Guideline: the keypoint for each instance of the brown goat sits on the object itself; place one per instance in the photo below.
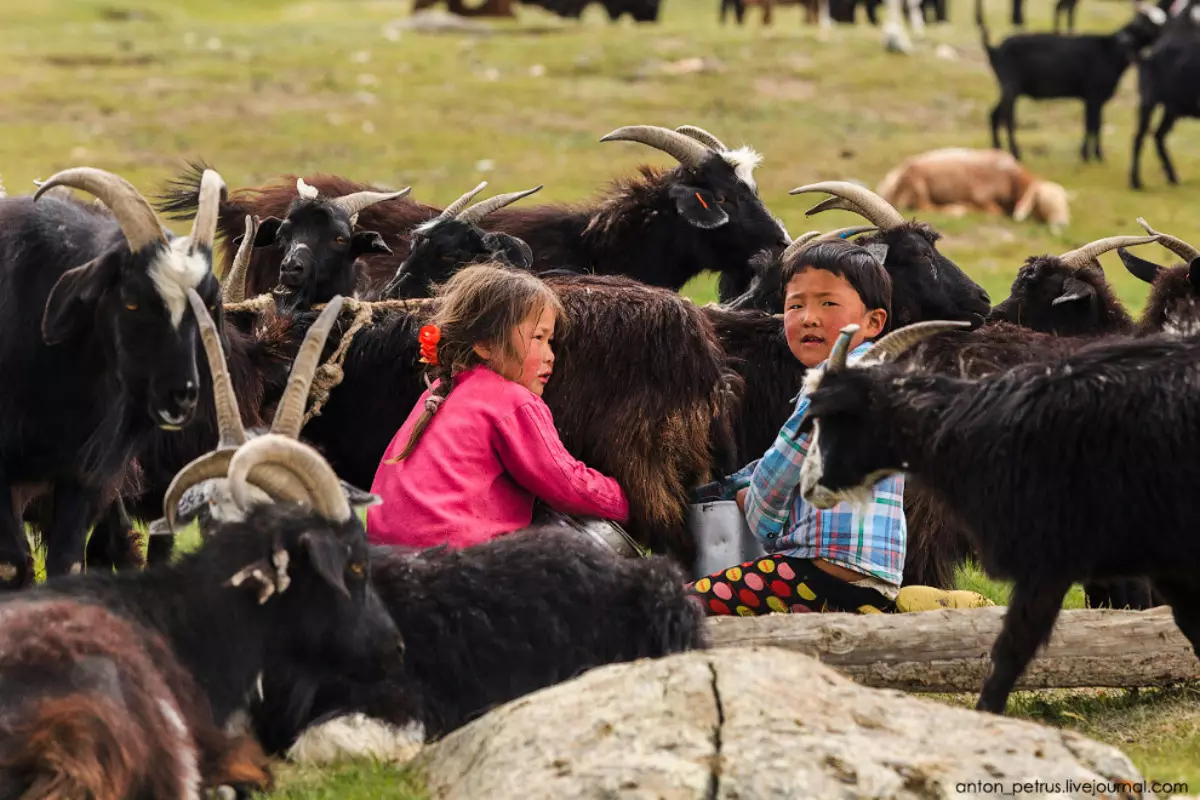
(98, 707)
(958, 179)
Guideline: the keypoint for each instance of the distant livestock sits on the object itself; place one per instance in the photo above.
(958, 179)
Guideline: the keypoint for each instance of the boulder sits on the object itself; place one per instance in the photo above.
(755, 723)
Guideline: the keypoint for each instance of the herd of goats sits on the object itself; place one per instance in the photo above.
(1052, 437)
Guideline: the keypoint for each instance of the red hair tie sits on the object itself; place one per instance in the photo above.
(429, 336)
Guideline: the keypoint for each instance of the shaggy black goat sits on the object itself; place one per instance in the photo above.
(1174, 302)
(1046, 66)
(1068, 295)
(97, 347)
(1167, 77)
(288, 579)
(489, 624)
(448, 242)
(97, 706)
(314, 244)
(662, 229)
(1028, 459)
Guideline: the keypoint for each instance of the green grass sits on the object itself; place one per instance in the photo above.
(263, 87)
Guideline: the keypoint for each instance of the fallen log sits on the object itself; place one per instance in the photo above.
(950, 650)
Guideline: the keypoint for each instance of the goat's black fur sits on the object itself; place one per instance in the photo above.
(1167, 77)
(1052, 297)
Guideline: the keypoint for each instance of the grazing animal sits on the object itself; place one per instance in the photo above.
(662, 229)
(98, 349)
(1167, 77)
(1174, 303)
(958, 179)
(316, 240)
(1045, 66)
(486, 625)
(448, 242)
(97, 706)
(1015, 455)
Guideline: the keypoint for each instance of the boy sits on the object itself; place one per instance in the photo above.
(838, 559)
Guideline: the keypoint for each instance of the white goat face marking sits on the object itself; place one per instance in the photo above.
(174, 272)
(744, 160)
(356, 736)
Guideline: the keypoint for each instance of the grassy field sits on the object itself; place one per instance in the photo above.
(262, 87)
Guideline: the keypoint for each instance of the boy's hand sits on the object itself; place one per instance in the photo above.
(741, 499)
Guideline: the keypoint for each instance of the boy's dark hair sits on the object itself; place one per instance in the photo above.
(846, 260)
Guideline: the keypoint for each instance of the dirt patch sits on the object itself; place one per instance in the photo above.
(785, 88)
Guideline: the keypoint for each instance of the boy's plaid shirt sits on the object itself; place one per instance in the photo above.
(871, 542)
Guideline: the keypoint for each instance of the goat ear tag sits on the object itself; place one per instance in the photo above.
(698, 207)
(328, 557)
(368, 242)
(878, 251)
(1073, 290)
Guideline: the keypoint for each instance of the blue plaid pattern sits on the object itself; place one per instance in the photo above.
(872, 542)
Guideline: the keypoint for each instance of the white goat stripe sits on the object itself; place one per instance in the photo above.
(174, 272)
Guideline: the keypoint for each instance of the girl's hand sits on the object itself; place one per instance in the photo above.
(741, 498)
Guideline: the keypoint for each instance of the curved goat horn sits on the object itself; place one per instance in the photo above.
(834, 204)
(454, 209)
(315, 484)
(896, 342)
(1081, 256)
(1173, 243)
(870, 205)
(289, 416)
(684, 149)
(841, 348)
(845, 233)
(229, 419)
(214, 464)
(133, 213)
(798, 244)
(233, 288)
(703, 136)
(204, 227)
(354, 203)
(485, 207)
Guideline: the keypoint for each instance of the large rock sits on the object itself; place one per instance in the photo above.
(755, 723)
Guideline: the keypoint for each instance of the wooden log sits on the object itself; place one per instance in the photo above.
(950, 650)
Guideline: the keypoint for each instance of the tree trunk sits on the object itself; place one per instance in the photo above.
(950, 650)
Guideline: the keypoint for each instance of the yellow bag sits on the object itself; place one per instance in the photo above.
(927, 598)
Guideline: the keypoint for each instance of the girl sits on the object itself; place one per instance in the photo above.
(480, 445)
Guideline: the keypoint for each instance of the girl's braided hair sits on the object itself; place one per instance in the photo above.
(480, 304)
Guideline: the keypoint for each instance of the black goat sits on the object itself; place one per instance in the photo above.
(1167, 77)
(662, 229)
(1016, 456)
(448, 242)
(1045, 66)
(316, 244)
(97, 347)
(488, 624)
(289, 579)
(1174, 303)
(1064, 8)
(97, 706)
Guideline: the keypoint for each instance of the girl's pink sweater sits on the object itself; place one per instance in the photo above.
(487, 453)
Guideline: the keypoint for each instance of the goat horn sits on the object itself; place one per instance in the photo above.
(834, 204)
(312, 472)
(133, 213)
(454, 209)
(1173, 243)
(896, 342)
(233, 288)
(845, 233)
(841, 348)
(485, 207)
(209, 465)
(703, 136)
(870, 205)
(289, 417)
(1081, 256)
(354, 203)
(684, 149)
(204, 227)
(229, 419)
(798, 244)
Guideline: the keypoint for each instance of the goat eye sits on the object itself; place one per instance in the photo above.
(340, 240)
(132, 306)
(357, 569)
